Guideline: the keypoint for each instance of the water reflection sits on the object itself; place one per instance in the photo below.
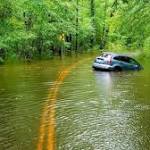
(107, 110)
(105, 80)
(120, 100)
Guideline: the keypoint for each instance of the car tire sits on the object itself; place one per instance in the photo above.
(117, 68)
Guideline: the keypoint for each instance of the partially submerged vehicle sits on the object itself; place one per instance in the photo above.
(115, 62)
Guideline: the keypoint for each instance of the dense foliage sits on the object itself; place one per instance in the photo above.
(41, 28)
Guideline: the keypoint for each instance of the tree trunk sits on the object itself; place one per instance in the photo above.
(105, 28)
(93, 20)
(77, 24)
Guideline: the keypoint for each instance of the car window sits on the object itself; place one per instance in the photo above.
(126, 59)
(100, 58)
(122, 58)
(132, 61)
(117, 58)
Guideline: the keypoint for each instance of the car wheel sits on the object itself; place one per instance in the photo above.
(117, 68)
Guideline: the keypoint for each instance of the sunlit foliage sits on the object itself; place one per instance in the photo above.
(42, 28)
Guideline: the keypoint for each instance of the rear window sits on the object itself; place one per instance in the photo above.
(100, 58)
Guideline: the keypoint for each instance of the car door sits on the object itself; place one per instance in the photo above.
(126, 63)
(117, 61)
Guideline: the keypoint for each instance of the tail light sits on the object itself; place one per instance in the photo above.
(109, 61)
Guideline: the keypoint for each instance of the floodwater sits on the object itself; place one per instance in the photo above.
(91, 110)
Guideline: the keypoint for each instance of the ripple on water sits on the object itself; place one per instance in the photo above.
(94, 110)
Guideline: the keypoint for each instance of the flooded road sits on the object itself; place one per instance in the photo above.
(85, 109)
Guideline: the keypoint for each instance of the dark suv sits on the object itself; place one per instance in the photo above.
(116, 62)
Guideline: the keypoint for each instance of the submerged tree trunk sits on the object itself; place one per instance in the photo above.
(105, 28)
(93, 21)
(77, 24)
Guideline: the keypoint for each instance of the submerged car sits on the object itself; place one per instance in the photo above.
(115, 62)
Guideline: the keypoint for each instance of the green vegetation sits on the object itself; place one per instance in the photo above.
(41, 28)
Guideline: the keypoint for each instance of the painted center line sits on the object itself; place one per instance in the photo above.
(48, 120)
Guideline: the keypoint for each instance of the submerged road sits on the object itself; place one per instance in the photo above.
(65, 105)
(49, 112)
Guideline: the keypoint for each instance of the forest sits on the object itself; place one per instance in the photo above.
(31, 29)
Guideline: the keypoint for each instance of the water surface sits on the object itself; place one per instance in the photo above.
(94, 110)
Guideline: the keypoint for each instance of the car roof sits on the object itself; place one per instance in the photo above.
(115, 54)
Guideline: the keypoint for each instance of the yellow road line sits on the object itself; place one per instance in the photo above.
(48, 116)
